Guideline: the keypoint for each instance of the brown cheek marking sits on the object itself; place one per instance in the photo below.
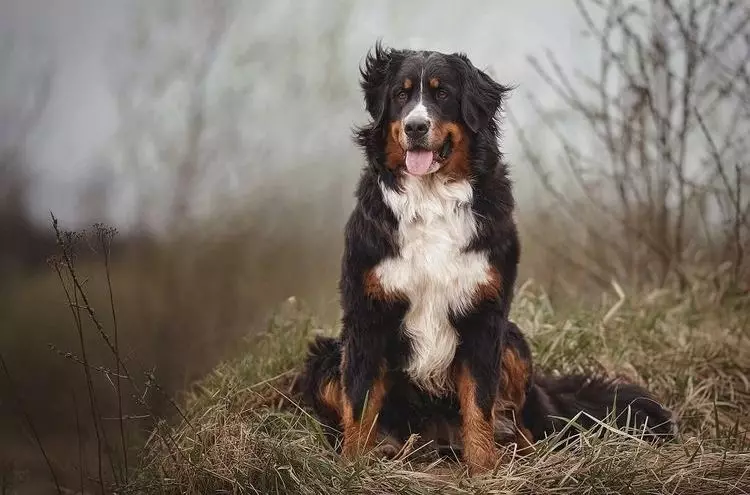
(489, 290)
(457, 164)
(434, 82)
(374, 289)
(407, 83)
(394, 153)
(477, 431)
(360, 433)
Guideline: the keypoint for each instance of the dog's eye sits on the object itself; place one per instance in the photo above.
(441, 94)
(402, 96)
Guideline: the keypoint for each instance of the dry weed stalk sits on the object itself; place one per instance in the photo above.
(74, 287)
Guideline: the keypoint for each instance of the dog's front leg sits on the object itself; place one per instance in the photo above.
(476, 373)
(371, 321)
(363, 371)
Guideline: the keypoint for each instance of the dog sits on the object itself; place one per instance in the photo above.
(528, 410)
(431, 248)
(431, 252)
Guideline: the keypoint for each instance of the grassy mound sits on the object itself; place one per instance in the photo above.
(242, 431)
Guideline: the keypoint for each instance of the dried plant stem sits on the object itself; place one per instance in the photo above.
(105, 244)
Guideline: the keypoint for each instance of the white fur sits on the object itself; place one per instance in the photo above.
(435, 223)
(419, 111)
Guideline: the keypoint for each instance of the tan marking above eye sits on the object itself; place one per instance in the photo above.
(434, 82)
(407, 83)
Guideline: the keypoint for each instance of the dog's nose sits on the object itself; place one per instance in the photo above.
(416, 128)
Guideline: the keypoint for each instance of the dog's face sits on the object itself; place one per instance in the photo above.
(424, 112)
(429, 106)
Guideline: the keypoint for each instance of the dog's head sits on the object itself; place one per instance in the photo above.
(429, 106)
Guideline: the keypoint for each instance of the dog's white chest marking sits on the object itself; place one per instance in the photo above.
(435, 223)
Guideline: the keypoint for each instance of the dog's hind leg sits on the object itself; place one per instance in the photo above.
(515, 381)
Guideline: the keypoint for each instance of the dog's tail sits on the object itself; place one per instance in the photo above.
(552, 402)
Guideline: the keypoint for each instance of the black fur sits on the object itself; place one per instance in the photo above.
(553, 401)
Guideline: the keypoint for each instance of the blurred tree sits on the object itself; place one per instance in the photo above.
(656, 142)
(196, 92)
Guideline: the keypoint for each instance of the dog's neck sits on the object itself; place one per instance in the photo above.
(419, 199)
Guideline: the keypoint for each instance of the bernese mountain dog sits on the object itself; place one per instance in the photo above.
(428, 272)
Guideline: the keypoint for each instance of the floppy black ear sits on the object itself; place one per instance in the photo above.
(481, 96)
(374, 80)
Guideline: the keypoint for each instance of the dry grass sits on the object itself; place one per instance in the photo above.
(243, 433)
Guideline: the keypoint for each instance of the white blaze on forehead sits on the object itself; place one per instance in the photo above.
(419, 112)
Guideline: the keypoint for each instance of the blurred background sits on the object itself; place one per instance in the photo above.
(215, 136)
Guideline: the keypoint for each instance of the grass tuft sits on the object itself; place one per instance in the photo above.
(245, 433)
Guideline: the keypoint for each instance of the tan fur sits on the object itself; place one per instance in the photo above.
(394, 150)
(330, 396)
(489, 290)
(360, 432)
(512, 397)
(515, 377)
(457, 165)
(477, 431)
(375, 290)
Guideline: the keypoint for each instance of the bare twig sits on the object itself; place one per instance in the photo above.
(79, 437)
(654, 89)
(73, 305)
(104, 236)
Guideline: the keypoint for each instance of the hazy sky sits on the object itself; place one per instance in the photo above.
(269, 100)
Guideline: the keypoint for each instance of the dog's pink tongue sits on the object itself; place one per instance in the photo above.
(418, 161)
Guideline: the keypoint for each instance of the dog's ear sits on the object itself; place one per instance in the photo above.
(481, 96)
(374, 79)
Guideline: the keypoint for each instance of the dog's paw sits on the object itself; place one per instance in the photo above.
(387, 447)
